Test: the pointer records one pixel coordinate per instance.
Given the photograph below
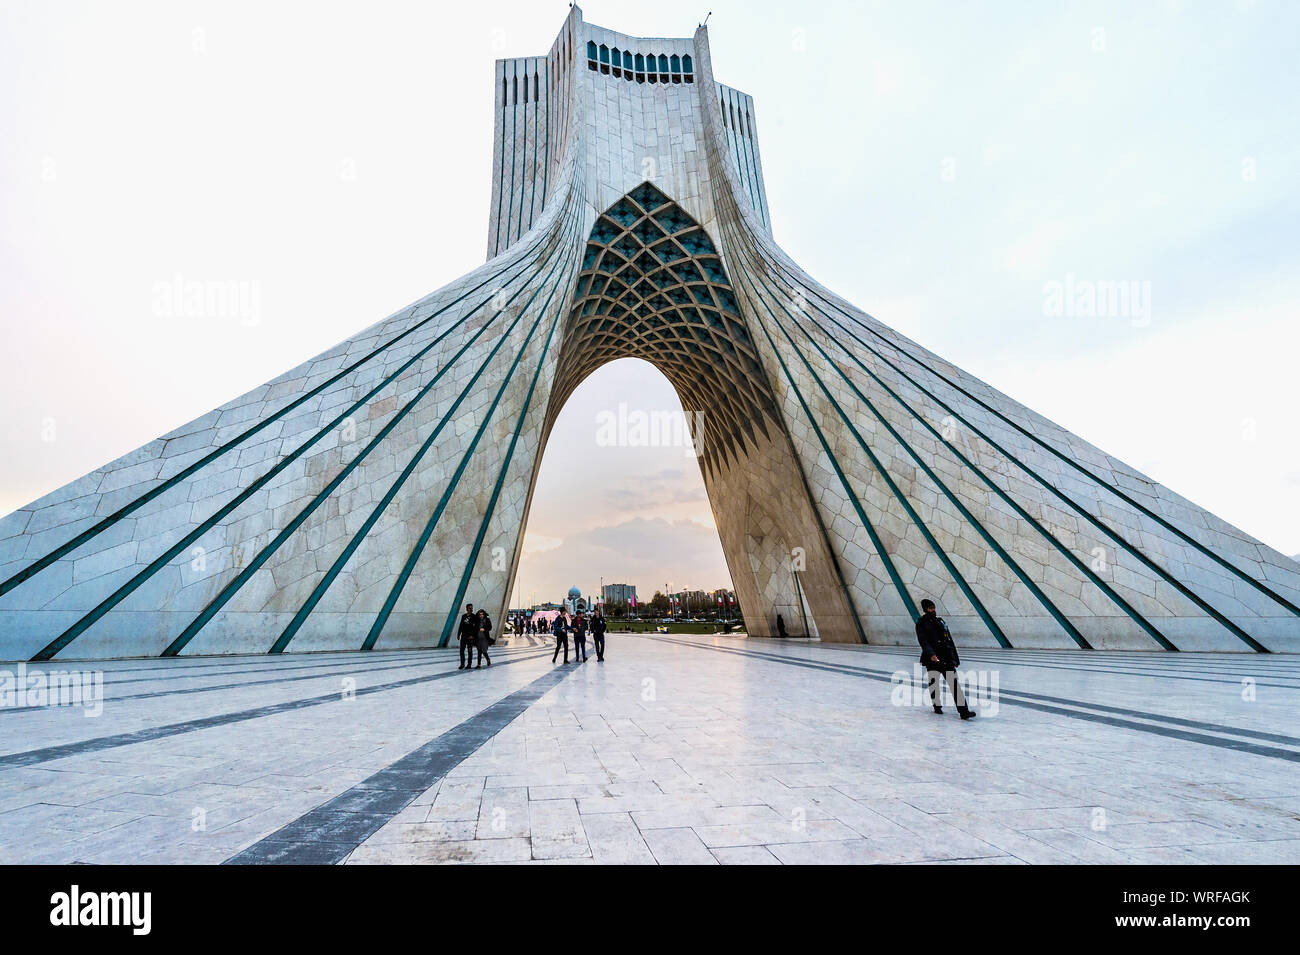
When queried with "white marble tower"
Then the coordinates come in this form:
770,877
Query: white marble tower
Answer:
358,500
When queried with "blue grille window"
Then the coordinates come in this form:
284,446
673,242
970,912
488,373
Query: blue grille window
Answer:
643,67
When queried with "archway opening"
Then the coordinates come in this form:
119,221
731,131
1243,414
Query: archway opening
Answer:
619,499
653,286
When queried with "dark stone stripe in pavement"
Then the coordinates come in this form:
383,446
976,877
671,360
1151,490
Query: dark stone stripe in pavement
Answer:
1022,698
1169,672
331,674
32,757
164,673
327,834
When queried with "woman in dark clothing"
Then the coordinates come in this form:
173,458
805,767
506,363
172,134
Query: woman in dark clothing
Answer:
484,636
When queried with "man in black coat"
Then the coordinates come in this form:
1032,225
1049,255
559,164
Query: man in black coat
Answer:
598,628
939,656
579,638
468,636
561,631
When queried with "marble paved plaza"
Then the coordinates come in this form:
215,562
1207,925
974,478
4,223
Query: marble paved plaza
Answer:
676,749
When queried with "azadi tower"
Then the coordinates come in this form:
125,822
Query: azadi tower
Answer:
358,500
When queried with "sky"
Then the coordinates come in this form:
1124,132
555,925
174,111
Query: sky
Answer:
946,167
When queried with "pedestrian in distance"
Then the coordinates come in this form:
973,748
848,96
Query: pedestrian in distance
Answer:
940,659
468,634
579,638
561,633
598,628
483,638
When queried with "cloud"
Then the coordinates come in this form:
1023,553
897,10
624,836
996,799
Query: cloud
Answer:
541,544
641,492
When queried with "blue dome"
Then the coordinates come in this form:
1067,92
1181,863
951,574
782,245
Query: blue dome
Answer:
575,592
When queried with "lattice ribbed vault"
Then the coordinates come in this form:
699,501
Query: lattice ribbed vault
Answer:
652,286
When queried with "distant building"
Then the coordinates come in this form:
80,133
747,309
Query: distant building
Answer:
692,601
618,595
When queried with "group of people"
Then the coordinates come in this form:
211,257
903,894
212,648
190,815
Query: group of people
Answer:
577,624
938,652
475,633
524,624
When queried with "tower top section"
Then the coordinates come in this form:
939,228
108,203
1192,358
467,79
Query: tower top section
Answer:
631,110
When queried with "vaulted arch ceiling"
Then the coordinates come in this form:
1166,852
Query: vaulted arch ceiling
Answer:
652,286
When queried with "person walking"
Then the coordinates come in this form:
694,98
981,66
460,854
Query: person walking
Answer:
598,628
468,633
939,657
579,638
561,637
483,637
